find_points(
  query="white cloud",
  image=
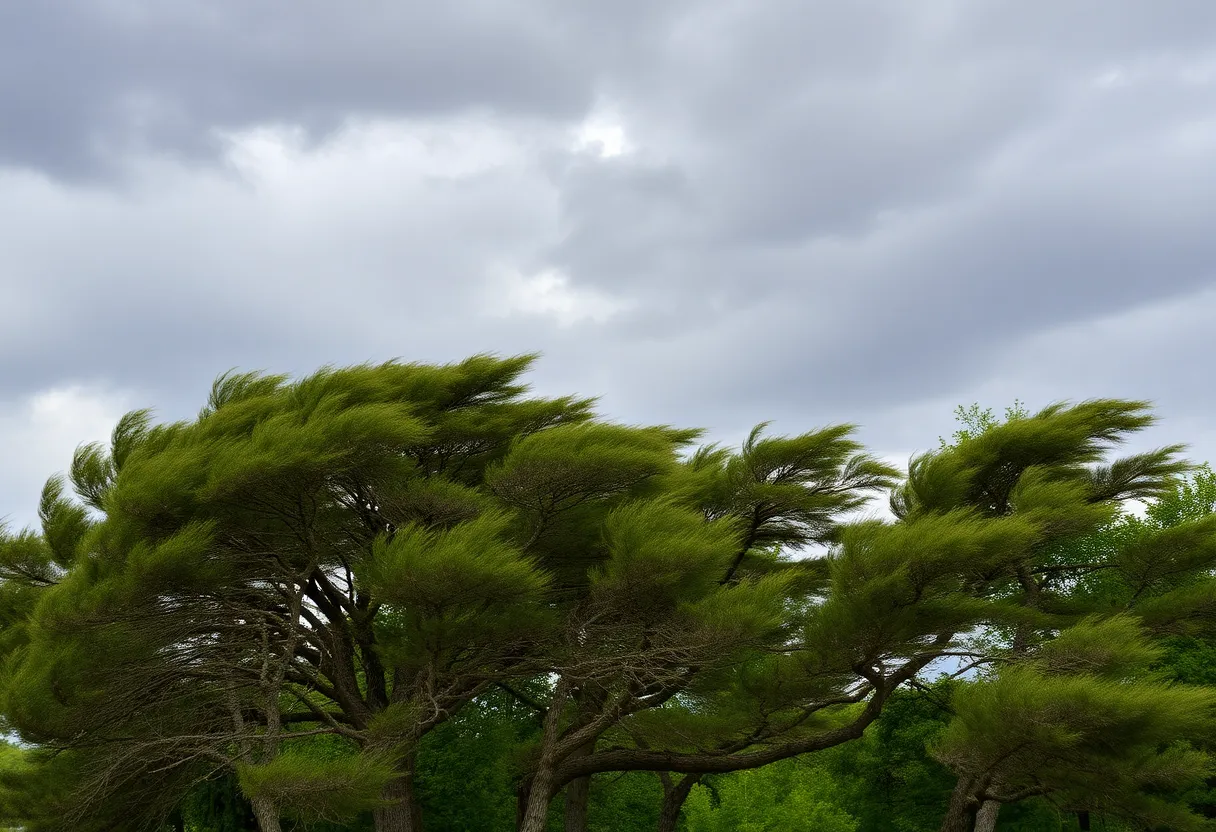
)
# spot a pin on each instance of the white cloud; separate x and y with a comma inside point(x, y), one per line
point(1110, 78)
point(809, 217)
point(550, 294)
point(603, 135)
point(388, 224)
point(38, 435)
point(450, 148)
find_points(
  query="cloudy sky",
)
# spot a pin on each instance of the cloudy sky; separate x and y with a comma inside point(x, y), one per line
point(708, 213)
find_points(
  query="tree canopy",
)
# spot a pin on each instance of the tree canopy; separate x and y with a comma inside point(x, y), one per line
point(326, 600)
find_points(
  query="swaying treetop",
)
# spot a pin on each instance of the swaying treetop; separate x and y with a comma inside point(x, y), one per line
point(1068, 704)
point(360, 553)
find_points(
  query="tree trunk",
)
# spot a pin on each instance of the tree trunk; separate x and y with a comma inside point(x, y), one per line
point(267, 814)
point(405, 813)
point(1083, 821)
point(985, 818)
point(578, 793)
point(673, 801)
point(960, 816)
point(536, 813)
point(540, 788)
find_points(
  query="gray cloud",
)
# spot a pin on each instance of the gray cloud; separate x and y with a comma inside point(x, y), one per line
point(85, 82)
point(820, 212)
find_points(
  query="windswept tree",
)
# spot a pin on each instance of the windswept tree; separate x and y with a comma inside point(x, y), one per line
point(300, 585)
point(304, 558)
point(977, 528)
point(359, 554)
point(1076, 657)
point(687, 588)
point(1086, 723)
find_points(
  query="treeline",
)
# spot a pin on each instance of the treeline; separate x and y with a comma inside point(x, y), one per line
point(404, 597)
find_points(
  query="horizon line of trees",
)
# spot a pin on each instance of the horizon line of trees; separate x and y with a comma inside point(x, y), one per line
point(399, 597)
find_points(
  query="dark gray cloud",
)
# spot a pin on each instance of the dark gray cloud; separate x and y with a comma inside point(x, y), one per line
point(710, 213)
point(86, 82)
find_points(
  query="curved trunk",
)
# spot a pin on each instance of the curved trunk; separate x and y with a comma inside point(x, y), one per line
point(267, 814)
point(985, 818)
point(536, 811)
point(674, 796)
point(540, 787)
point(960, 816)
point(405, 813)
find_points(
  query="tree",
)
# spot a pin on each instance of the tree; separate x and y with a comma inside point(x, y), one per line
point(976, 524)
point(316, 557)
point(360, 554)
point(1073, 590)
point(1085, 724)
point(895, 784)
point(688, 588)
point(887, 778)
point(305, 583)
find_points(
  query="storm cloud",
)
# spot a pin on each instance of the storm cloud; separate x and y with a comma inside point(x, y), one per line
point(708, 213)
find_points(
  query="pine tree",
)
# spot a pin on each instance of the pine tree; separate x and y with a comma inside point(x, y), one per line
point(976, 527)
point(318, 557)
point(689, 588)
point(300, 586)
point(1072, 667)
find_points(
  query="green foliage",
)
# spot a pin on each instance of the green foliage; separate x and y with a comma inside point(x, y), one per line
point(893, 585)
point(627, 802)
point(1111, 748)
point(887, 779)
point(13, 763)
point(1073, 708)
point(320, 585)
point(974, 421)
point(1192, 498)
point(778, 484)
point(318, 786)
point(212, 596)
point(1114, 649)
point(448, 593)
point(784, 797)
point(217, 805)
point(465, 776)
point(660, 555)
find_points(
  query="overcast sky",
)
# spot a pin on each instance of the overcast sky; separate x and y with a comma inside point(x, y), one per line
point(708, 213)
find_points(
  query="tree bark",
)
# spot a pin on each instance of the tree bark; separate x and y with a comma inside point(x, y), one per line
point(637, 759)
point(540, 789)
point(1083, 821)
point(960, 816)
point(578, 794)
point(267, 814)
point(985, 818)
point(405, 813)
point(536, 812)
point(674, 796)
